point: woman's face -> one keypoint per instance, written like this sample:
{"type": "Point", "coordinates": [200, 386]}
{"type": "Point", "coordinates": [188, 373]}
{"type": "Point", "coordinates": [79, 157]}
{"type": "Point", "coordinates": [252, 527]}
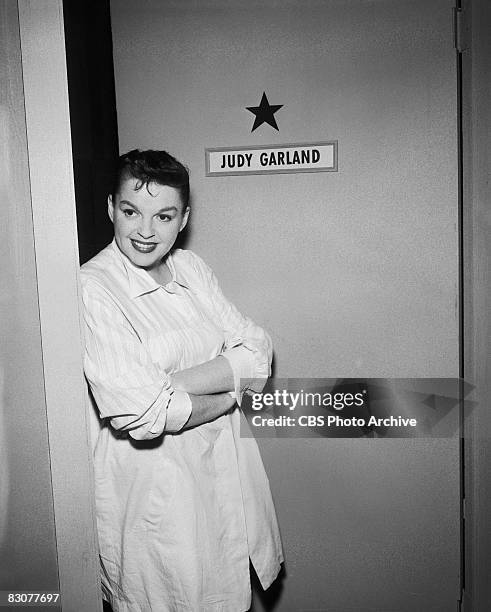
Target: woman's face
{"type": "Point", "coordinates": [146, 221]}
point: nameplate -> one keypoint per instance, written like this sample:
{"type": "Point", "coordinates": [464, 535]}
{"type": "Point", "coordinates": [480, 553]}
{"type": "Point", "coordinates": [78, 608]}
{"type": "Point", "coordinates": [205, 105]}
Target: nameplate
{"type": "Point", "coordinates": [272, 159]}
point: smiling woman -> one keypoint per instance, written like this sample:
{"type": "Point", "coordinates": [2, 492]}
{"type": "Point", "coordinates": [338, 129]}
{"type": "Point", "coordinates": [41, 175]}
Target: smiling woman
{"type": "Point", "coordinates": [147, 213]}
{"type": "Point", "coordinates": [183, 502]}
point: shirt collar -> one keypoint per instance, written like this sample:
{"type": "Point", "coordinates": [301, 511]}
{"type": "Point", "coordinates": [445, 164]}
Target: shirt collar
{"type": "Point", "coordinates": [139, 280]}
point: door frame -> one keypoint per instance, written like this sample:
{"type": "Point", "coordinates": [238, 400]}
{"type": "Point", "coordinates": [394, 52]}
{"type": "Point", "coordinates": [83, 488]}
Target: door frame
{"type": "Point", "coordinates": [49, 152]}
{"type": "Point", "coordinates": [475, 57]}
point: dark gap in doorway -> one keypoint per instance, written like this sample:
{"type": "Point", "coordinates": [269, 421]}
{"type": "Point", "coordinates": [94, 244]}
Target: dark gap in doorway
{"type": "Point", "coordinates": [94, 129]}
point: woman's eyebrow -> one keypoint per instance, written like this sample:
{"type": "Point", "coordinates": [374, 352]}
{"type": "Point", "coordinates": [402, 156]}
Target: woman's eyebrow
{"type": "Point", "coordinates": [165, 209]}
{"type": "Point", "coordinates": [128, 203]}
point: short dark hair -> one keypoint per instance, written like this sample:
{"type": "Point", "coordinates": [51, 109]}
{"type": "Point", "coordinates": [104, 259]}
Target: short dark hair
{"type": "Point", "coordinates": [152, 167]}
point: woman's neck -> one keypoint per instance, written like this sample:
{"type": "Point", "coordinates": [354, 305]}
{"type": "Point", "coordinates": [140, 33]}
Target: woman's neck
{"type": "Point", "coordinates": [161, 273]}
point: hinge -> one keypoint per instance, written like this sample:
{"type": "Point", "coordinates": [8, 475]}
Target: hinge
{"type": "Point", "coordinates": [461, 33]}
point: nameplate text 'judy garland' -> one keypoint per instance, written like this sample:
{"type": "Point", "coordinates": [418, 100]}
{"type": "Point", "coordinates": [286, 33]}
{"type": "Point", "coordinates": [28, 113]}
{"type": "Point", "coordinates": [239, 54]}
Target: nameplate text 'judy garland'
{"type": "Point", "coordinates": [307, 157]}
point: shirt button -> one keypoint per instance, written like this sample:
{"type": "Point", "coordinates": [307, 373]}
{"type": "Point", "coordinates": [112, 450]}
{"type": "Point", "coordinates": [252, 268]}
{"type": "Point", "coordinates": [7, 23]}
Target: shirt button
{"type": "Point", "coordinates": [171, 287]}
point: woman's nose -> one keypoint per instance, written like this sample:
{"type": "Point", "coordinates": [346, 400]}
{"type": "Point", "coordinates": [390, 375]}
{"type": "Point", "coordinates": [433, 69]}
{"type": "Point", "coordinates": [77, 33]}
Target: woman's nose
{"type": "Point", "coordinates": [146, 230]}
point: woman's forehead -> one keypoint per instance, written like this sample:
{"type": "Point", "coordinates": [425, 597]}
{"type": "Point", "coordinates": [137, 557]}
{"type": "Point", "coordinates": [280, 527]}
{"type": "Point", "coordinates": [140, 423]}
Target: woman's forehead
{"type": "Point", "coordinates": [149, 195]}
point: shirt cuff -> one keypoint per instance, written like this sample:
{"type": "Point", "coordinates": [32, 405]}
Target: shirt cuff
{"type": "Point", "coordinates": [178, 411]}
{"type": "Point", "coordinates": [242, 362]}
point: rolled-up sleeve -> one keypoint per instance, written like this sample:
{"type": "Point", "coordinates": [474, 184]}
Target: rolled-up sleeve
{"type": "Point", "coordinates": [128, 387]}
{"type": "Point", "coordinates": [248, 347]}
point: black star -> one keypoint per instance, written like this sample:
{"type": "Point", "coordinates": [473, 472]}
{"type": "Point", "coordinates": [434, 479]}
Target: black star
{"type": "Point", "coordinates": [264, 113]}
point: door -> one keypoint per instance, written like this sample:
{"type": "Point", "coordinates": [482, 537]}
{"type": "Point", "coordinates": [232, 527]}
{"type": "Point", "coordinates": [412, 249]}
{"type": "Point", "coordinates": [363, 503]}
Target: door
{"type": "Point", "coordinates": [354, 273]}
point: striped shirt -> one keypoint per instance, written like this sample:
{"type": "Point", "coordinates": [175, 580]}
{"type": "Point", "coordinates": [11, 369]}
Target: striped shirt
{"type": "Point", "coordinates": [179, 512]}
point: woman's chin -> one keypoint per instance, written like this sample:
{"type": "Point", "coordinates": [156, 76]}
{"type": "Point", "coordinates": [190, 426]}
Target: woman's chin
{"type": "Point", "coordinates": [145, 261]}
{"type": "Point", "coordinates": [142, 260]}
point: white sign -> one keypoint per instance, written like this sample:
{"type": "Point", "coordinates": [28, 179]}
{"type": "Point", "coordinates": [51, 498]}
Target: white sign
{"type": "Point", "coordinates": [307, 157]}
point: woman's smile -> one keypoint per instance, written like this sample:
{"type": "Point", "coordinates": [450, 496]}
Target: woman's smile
{"type": "Point", "coordinates": [143, 247]}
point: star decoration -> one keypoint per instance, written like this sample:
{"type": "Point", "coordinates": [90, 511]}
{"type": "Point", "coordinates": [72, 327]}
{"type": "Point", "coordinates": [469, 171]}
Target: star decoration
{"type": "Point", "coordinates": [264, 113]}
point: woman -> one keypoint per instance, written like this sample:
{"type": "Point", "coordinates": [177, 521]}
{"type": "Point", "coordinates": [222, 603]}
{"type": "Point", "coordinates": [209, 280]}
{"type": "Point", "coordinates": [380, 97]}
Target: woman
{"type": "Point", "coordinates": [182, 500]}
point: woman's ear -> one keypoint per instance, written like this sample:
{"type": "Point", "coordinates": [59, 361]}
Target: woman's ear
{"type": "Point", "coordinates": [110, 207]}
{"type": "Point", "coordinates": [185, 218]}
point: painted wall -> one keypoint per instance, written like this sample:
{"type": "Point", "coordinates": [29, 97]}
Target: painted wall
{"type": "Point", "coordinates": [28, 558]}
{"type": "Point", "coordinates": [353, 273]}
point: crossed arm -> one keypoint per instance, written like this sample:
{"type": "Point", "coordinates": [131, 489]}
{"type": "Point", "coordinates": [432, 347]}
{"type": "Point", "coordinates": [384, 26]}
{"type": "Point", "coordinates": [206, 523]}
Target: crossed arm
{"type": "Point", "coordinates": [214, 376]}
{"type": "Point", "coordinates": [208, 385]}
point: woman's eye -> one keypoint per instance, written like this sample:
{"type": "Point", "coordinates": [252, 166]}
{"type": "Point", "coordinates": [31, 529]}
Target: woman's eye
{"type": "Point", "coordinates": [128, 212]}
{"type": "Point", "coordinates": [165, 217]}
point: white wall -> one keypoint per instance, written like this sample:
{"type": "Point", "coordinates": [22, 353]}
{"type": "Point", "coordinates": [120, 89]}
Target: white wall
{"type": "Point", "coordinates": [354, 273]}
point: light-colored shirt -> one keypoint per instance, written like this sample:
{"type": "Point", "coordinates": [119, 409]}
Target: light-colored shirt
{"type": "Point", "coordinates": [179, 512]}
